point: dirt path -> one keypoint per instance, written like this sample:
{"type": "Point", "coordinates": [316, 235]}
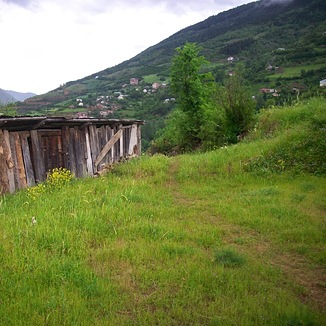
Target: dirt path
{"type": "Point", "coordinates": [297, 269]}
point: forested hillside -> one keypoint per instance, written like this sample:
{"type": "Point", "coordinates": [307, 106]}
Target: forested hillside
{"type": "Point", "coordinates": [282, 46]}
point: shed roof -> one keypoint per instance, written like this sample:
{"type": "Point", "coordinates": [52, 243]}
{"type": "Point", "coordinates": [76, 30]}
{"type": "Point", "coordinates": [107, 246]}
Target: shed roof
{"type": "Point", "coordinates": [34, 123]}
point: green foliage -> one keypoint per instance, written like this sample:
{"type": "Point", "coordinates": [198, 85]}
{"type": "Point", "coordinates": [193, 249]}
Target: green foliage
{"type": "Point", "coordinates": [8, 110]}
{"type": "Point", "coordinates": [188, 86]}
{"type": "Point", "coordinates": [238, 105]}
{"type": "Point", "coordinates": [196, 122]}
{"type": "Point", "coordinates": [301, 145]}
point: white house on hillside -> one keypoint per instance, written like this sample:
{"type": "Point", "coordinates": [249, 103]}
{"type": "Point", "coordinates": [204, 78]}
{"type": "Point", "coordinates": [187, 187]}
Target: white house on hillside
{"type": "Point", "coordinates": [322, 83]}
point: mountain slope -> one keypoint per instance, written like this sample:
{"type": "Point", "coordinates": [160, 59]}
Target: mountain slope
{"type": "Point", "coordinates": [5, 97]}
{"type": "Point", "coordinates": [251, 33]}
{"type": "Point", "coordinates": [12, 96]}
{"type": "Point", "coordinates": [20, 96]}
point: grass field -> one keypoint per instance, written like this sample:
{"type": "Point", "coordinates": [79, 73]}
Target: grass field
{"type": "Point", "coordinates": [295, 71]}
{"type": "Point", "coordinates": [149, 79]}
{"type": "Point", "coordinates": [235, 236]}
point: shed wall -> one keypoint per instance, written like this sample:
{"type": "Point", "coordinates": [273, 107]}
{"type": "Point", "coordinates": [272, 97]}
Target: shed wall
{"type": "Point", "coordinates": [27, 156]}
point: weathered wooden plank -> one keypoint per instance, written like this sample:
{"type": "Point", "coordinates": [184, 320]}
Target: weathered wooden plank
{"type": "Point", "coordinates": [21, 175]}
{"type": "Point", "coordinates": [14, 158]}
{"type": "Point", "coordinates": [126, 141]}
{"type": "Point", "coordinates": [37, 157]}
{"type": "Point", "coordinates": [60, 150]}
{"type": "Point", "coordinates": [79, 152]}
{"type": "Point", "coordinates": [93, 137]}
{"type": "Point", "coordinates": [101, 144]}
{"type": "Point", "coordinates": [9, 161]}
{"type": "Point", "coordinates": [83, 151]}
{"type": "Point", "coordinates": [121, 143]}
{"type": "Point", "coordinates": [107, 147]}
{"type": "Point", "coordinates": [71, 153]}
{"type": "Point", "coordinates": [65, 147]}
{"type": "Point", "coordinates": [133, 142]}
{"type": "Point", "coordinates": [30, 177]}
{"type": "Point", "coordinates": [89, 161]}
{"type": "Point", "coordinates": [116, 147]}
{"type": "Point", "coordinates": [138, 149]}
{"type": "Point", "coordinates": [104, 140]}
{"type": "Point", "coordinates": [4, 181]}
{"type": "Point", "coordinates": [109, 134]}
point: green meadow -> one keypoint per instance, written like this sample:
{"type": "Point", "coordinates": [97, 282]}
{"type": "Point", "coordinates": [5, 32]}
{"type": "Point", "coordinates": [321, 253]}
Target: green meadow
{"type": "Point", "coordinates": [296, 71]}
{"type": "Point", "coordinates": [235, 236]}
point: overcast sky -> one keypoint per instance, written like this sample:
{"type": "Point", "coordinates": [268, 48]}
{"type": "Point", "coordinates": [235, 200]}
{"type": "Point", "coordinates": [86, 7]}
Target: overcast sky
{"type": "Point", "coordinates": [44, 43]}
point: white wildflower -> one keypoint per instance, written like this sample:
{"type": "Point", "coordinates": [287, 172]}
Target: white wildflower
{"type": "Point", "coordinates": [33, 220]}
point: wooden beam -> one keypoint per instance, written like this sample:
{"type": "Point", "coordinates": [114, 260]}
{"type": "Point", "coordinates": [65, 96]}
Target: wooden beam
{"type": "Point", "coordinates": [39, 124]}
{"type": "Point", "coordinates": [21, 175]}
{"type": "Point", "coordinates": [107, 147]}
{"type": "Point", "coordinates": [84, 125]}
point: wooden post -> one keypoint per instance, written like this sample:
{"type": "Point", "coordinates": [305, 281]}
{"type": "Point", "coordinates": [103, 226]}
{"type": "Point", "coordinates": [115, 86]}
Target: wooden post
{"type": "Point", "coordinates": [30, 178]}
{"type": "Point", "coordinates": [20, 168]}
{"type": "Point", "coordinates": [138, 149]}
{"type": "Point", "coordinates": [95, 150]}
{"type": "Point", "coordinates": [4, 181]}
{"type": "Point", "coordinates": [38, 160]}
{"type": "Point", "coordinates": [89, 161]}
{"type": "Point", "coordinates": [65, 147]}
{"type": "Point", "coordinates": [133, 144]}
{"type": "Point", "coordinates": [10, 162]}
{"type": "Point", "coordinates": [72, 157]}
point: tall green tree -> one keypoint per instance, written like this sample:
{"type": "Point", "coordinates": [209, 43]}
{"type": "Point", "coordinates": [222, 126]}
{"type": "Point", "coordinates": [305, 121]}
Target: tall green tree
{"type": "Point", "coordinates": [188, 85]}
{"type": "Point", "coordinates": [196, 121]}
{"type": "Point", "coordinates": [238, 105]}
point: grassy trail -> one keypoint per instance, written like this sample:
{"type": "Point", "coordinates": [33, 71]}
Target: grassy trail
{"type": "Point", "coordinates": [297, 269]}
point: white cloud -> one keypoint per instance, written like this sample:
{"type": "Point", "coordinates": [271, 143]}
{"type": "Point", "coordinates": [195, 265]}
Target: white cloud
{"type": "Point", "coordinates": [46, 43]}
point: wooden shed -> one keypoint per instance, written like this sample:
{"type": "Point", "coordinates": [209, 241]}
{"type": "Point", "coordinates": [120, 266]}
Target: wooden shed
{"type": "Point", "coordinates": [32, 146]}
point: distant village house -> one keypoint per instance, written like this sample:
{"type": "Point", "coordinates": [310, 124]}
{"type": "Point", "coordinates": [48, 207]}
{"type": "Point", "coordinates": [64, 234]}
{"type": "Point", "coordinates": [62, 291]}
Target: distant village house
{"type": "Point", "coordinates": [134, 81]}
{"type": "Point", "coordinates": [322, 83]}
{"type": "Point", "coordinates": [156, 85]}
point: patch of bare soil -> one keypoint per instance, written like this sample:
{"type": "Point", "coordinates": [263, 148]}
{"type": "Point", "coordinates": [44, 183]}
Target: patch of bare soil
{"type": "Point", "coordinates": [311, 278]}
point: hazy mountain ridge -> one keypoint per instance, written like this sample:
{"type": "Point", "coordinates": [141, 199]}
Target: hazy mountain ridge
{"type": "Point", "coordinates": [7, 96]}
